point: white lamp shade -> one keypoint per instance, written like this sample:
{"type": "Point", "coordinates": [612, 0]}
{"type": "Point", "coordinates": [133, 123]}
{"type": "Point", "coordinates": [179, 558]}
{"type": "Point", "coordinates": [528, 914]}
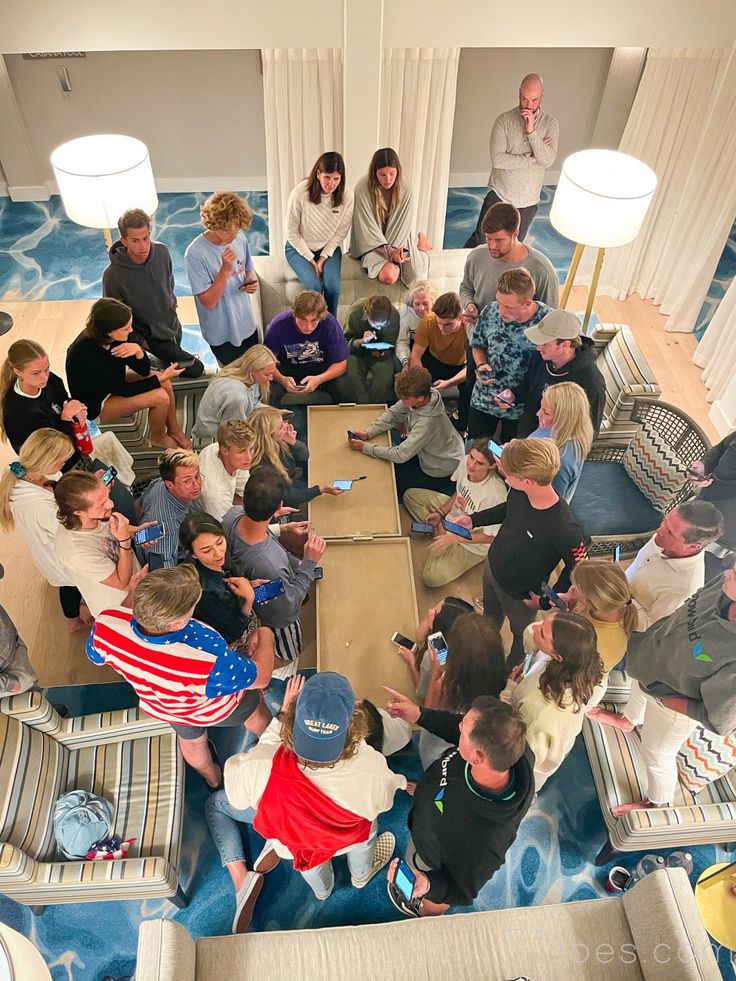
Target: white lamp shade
{"type": "Point", "coordinates": [19, 959]}
{"type": "Point", "coordinates": [602, 198]}
{"type": "Point", "coordinates": [100, 177]}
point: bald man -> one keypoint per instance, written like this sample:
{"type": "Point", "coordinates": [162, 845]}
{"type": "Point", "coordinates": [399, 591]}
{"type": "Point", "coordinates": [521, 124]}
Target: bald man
{"type": "Point", "coordinates": [523, 144]}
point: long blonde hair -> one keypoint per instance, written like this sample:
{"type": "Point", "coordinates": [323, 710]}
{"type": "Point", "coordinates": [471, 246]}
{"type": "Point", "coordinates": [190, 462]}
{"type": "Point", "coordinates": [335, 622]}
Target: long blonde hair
{"type": "Point", "coordinates": [256, 358]}
{"type": "Point", "coordinates": [602, 588]}
{"type": "Point", "coordinates": [41, 451]}
{"type": "Point", "coordinates": [20, 353]}
{"type": "Point", "coordinates": [571, 409]}
{"type": "Point", "coordinates": [267, 450]}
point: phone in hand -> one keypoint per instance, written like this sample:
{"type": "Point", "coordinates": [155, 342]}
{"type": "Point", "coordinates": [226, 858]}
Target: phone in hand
{"type": "Point", "coordinates": [269, 590]}
{"type": "Point", "coordinates": [421, 528]}
{"type": "Point", "coordinates": [457, 529]}
{"type": "Point", "coordinates": [402, 641]}
{"type": "Point", "coordinates": [185, 363]}
{"type": "Point", "coordinates": [495, 449]}
{"type": "Point", "coordinates": [108, 476]}
{"type": "Point", "coordinates": [352, 435]}
{"type": "Point", "coordinates": [502, 398]}
{"type": "Point", "coordinates": [299, 388]}
{"type": "Point", "coordinates": [404, 879]}
{"type": "Point", "coordinates": [319, 573]}
{"type": "Point", "coordinates": [150, 534]}
{"type": "Point", "coordinates": [284, 519]}
{"type": "Point", "coordinates": [553, 597]}
{"type": "Point", "coordinates": [697, 475]}
{"type": "Point", "coordinates": [439, 645]}
{"type": "Point", "coordinates": [616, 553]}
{"type": "Point", "coordinates": [343, 485]}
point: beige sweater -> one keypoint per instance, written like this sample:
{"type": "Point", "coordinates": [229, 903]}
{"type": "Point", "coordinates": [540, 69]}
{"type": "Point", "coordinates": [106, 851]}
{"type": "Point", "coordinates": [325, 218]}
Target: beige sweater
{"type": "Point", "coordinates": [319, 227]}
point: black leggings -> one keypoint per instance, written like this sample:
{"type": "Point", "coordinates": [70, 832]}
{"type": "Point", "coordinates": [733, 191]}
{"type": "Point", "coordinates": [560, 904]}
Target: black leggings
{"type": "Point", "coordinates": [70, 598]}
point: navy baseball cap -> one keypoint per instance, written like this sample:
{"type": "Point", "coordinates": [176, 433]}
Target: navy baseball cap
{"type": "Point", "coordinates": [324, 710]}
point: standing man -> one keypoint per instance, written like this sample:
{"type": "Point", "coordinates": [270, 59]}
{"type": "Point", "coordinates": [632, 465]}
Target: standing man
{"type": "Point", "coordinates": [141, 274]}
{"type": "Point", "coordinates": [169, 499]}
{"type": "Point", "coordinates": [523, 144]}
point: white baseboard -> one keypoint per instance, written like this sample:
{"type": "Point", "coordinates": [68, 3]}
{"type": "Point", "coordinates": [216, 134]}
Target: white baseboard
{"type": "Point", "coordinates": [38, 192]}
{"type": "Point", "coordinates": [166, 185]}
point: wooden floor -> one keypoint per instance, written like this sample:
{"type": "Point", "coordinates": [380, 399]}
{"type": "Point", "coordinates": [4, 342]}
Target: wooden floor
{"type": "Point", "coordinates": [59, 657]}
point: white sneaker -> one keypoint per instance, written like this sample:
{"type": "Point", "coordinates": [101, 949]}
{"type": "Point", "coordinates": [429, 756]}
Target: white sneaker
{"type": "Point", "coordinates": [245, 901]}
{"type": "Point", "coordinates": [385, 845]}
{"type": "Point", "coordinates": [267, 860]}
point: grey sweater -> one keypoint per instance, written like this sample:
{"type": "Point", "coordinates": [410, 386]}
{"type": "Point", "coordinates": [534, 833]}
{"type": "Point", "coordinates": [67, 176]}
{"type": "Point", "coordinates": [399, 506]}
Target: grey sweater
{"type": "Point", "coordinates": [226, 398]}
{"type": "Point", "coordinates": [692, 653]}
{"type": "Point", "coordinates": [482, 272]}
{"type": "Point", "coordinates": [519, 159]}
{"type": "Point", "coordinates": [147, 288]}
{"type": "Point", "coordinates": [432, 437]}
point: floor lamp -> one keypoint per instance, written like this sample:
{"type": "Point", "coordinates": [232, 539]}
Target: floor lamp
{"type": "Point", "coordinates": [99, 177]}
{"type": "Point", "coordinates": [19, 959]}
{"type": "Point", "coordinates": [601, 200]}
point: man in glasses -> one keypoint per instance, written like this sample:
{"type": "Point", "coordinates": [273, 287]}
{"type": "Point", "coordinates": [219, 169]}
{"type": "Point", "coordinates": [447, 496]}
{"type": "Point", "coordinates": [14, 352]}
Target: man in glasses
{"type": "Point", "coordinates": [169, 499]}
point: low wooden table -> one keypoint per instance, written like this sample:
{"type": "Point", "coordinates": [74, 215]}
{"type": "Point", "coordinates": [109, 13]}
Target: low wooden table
{"type": "Point", "coordinates": [371, 507]}
{"type": "Point", "coordinates": [367, 593]}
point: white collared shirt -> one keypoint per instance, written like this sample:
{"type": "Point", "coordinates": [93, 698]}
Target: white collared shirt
{"type": "Point", "coordinates": [660, 585]}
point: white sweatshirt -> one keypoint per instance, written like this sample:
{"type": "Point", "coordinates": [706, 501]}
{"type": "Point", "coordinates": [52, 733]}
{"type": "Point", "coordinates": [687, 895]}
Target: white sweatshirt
{"type": "Point", "coordinates": [319, 227]}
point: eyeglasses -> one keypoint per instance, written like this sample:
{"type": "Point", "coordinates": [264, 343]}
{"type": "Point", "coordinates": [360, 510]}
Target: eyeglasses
{"type": "Point", "coordinates": [190, 481]}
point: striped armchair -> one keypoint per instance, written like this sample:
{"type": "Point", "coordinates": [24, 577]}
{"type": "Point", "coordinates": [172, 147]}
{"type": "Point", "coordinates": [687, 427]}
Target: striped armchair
{"type": "Point", "coordinates": [125, 756]}
{"type": "Point", "coordinates": [627, 376]}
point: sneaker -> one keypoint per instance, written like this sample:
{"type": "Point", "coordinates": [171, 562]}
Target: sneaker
{"type": "Point", "coordinates": [409, 907]}
{"type": "Point", "coordinates": [245, 901]}
{"type": "Point", "coordinates": [267, 860]}
{"type": "Point", "coordinates": [385, 845]}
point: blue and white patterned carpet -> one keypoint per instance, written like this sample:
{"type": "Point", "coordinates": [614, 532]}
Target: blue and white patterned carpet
{"type": "Point", "coordinates": [550, 862]}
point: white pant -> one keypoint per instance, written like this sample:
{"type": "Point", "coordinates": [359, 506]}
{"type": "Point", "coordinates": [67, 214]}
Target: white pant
{"type": "Point", "coordinates": [662, 733]}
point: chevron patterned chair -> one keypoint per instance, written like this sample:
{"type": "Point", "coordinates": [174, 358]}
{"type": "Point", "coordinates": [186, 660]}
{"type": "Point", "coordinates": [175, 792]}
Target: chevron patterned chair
{"type": "Point", "coordinates": [125, 756]}
{"type": "Point", "coordinates": [626, 487]}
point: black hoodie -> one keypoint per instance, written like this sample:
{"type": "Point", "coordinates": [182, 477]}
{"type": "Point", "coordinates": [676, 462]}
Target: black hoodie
{"type": "Point", "coordinates": [148, 289]}
{"type": "Point", "coordinates": [461, 836]}
{"type": "Point", "coordinates": [540, 374]}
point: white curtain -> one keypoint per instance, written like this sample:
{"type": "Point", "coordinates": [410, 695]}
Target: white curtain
{"type": "Point", "coordinates": [418, 90]}
{"type": "Point", "coordinates": [683, 124]}
{"type": "Point", "coordinates": [302, 96]}
{"type": "Point", "coordinates": [716, 353]}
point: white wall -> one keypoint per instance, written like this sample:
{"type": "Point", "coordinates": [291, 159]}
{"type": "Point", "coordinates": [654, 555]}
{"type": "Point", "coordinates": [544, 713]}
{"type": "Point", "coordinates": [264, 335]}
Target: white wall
{"type": "Point", "coordinates": [488, 83]}
{"type": "Point", "coordinates": [199, 112]}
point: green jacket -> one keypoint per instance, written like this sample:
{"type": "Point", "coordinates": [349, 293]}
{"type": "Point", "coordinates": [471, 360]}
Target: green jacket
{"type": "Point", "coordinates": [356, 324]}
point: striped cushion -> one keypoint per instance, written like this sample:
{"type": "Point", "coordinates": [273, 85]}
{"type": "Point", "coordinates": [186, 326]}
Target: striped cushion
{"type": "Point", "coordinates": [705, 757]}
{"type": "Point", "coordinates": [619, 687]}
{"type": "Point", "coordinates": [654, 467]}
{"type": "Point", "coordinates": [626, 374]}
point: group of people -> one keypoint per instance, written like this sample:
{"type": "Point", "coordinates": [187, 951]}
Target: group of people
{"type": "Point", "coordinates": [170, 580]}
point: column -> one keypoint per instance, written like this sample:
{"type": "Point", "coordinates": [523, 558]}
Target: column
{"type": "Point", "coordinates": [363, 47]}
{"type": "Point", "coordinates": [16, 156]}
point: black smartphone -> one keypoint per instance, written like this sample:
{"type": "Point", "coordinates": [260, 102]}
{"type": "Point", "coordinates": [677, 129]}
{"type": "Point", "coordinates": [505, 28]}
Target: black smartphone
{"type": "Point", "coordinates": [404, 879]}
{"type": "Point", "coordinates": [457, 529]}
{"type": "Point", "coordinates": [185, 363]}
{"type": "Point", "coordinates": [697, 475]}
{"type": "Point", "coordinates": [439, 645]}
{"type": "Point", "coordinates": [319, 573]}
{"type": "Point", "coordinates": [502, 398]}
{"type": "Point", "coordinates": [616, 553]}
{"type": "Point", "coordinates": [402, 641]}
{"type": "Point", "coordinates": [422, 527]}
{"type": "Point", "coordinates": [150, 534]}
{"type": "Point", "coordinates": [108, 476]}
{"type": "Point", "coordinates": [352, 435]}
{"type": "Point", "coordinates": [553, 597]}
{"type": "Point", "coordinates": [269, 590]}
{"type": "Point", "coordinates": [284, 519]}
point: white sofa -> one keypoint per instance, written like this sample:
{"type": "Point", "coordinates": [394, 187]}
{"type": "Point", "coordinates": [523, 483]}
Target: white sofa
{"type": "Point", "coordinates": [653, 932]}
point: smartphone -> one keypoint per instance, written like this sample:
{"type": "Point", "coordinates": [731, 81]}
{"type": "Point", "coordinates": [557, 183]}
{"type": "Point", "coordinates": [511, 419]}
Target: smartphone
{"type": "Point", "coordinates": [269, 590]}
{"type": "Point", "coordinates": [343, 485]}
{"type": "Point", "coordinates": [404, 879]}
{"type": "Point", "coordinates": [528, 660]}
{"type": "Point", "coordinates": [617, 553]}
{"type": "Point", "coordinates": [457, 529]}
{"type": "Point", "coordinates": [697, 475]}
{"type": "Point", "coordinates": [485, 372]}
{"type": "Point", "coordinates": [502, 398]}
{"type": "Point", "coordinates": [108, 476]}
{"type": "Point", "coordinates": [299, 388]}
{"type": "Point", "coordinates": [495, 449]}
{"type": "Point", "coordinates": [185, 363]}
{"type": "Point", "coordinates": [319, 573]}
{"type": "Point", "coordinates": [284, 519]}
{"type": "Point", "coordinates": [439, 645]}
{"type": "Point", "coordinates": [422, 527]}
{"type": "Point", "coordinates": [553, 597]}
{"type": "Point", "coordinates": [150, 534]}
{"type": "Point", "coordinates": [402, 641]}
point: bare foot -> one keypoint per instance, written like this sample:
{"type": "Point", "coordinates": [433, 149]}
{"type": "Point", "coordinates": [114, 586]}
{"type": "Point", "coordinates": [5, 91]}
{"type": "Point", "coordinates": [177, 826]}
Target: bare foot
{"type": "Point", "coordinates": [423, 243]}
{"type": "Point", "coordinates": [181, 439]}
{"type": "Point", "coordinates": [76, 623]}
{"type": "Point", "coordinates": [162, 442]}
{"type": "Point", "coordinates": [637, 805]}
{"type": "Point", "coordinates": [611, 719]}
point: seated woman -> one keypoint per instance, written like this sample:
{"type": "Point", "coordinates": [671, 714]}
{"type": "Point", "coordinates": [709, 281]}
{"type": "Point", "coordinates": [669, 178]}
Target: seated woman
{"type": "Point", "coordinates": [319, 213]}
{"type": "Point", "coordinates": [552, 693]}
{"type": "Point", "coordinates": [440, 343]}
{"type": "Point", "coordinates": [27, 504]}
{"type": "Point", "coordinates": [372, 332]}
{"type": "Point", "coordinates": [311, 797]}
{"type": "Point", "coordinates": [275, 445]}
{"type": "Point", "coordinates": [235, 391]}
{"type": "Point", "coordinates": [418, 303]}
{"type": "Point", "coordinates": [564, 416]}
{"type": "Point", "coordinates": [310, 346]}
{"type": "Point", "coordinates": [382, 236]}
{"type": "Point", "coordinates": [227, 600]}
{"type": "Point", "coordinates": [102, 365]}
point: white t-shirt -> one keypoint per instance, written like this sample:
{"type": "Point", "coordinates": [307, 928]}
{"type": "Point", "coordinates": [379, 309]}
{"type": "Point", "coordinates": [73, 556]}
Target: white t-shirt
{"type": "Point", "coordinates": [34, 512]}
{"type": "Point", "coordinates": [218, 486]}
{"type": "Point", "coordinates": [91, 557]}
{"type": "Point", "coordinates": [485, 494]}
{"type": "Point", "coordinates": [660, 585]}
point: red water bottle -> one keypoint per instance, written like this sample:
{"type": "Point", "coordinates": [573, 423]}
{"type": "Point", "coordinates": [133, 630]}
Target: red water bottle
{"type": "Point", "coordinates": [81, 437]}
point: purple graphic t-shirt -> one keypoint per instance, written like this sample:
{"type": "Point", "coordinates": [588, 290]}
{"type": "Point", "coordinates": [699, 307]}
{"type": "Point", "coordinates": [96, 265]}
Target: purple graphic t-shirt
{"type": "Point", "coordinates": [305, 354]}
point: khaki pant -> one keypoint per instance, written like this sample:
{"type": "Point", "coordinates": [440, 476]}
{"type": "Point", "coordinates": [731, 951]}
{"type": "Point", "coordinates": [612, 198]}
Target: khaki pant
{"type": "Point", "coordinates": [450, 565]}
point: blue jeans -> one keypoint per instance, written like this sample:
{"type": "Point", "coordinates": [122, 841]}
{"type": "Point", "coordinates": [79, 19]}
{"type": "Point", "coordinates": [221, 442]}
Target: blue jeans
{"type": "Point", "coordinates": [222, 820]}
{"type": "Point", "coordinates": [329, 285]}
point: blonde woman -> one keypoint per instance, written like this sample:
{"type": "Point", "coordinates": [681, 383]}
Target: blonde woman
{"type": "Point", "coordinates": [418, 303]}
{"type": "Point", "coordinates": [220, 270]}
{"type": "Point", "coordinates": [27, 503]}
{"type": "Point", "coordinates": [564, 416]}
{"type": "Point", "coordinates": [236, 391]}
{"type": "Point", "coordinates": [276, 446]}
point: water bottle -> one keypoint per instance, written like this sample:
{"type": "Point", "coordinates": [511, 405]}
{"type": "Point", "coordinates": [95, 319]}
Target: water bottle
{"type": "Point", "coordinates": [81, 437]}
{"type": "Point", "coordinates": [680, 860]}
{"type": "Point", "coordinates": [650, 863]}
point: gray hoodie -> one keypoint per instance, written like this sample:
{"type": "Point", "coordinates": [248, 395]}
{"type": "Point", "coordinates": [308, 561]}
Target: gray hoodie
{"type": "Point", "coordinates": [432, 437]}
{"type": "Point", "coordinates": [147, 288]}
{"type": "Point", "coordinates": [692, 653]}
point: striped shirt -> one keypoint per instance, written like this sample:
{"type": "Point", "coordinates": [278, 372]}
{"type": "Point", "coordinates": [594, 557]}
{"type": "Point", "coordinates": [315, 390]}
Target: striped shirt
{"type": "Point", "coordinates": [189, 677]}
{"type": "Point", "coordinates": [159, 504]}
